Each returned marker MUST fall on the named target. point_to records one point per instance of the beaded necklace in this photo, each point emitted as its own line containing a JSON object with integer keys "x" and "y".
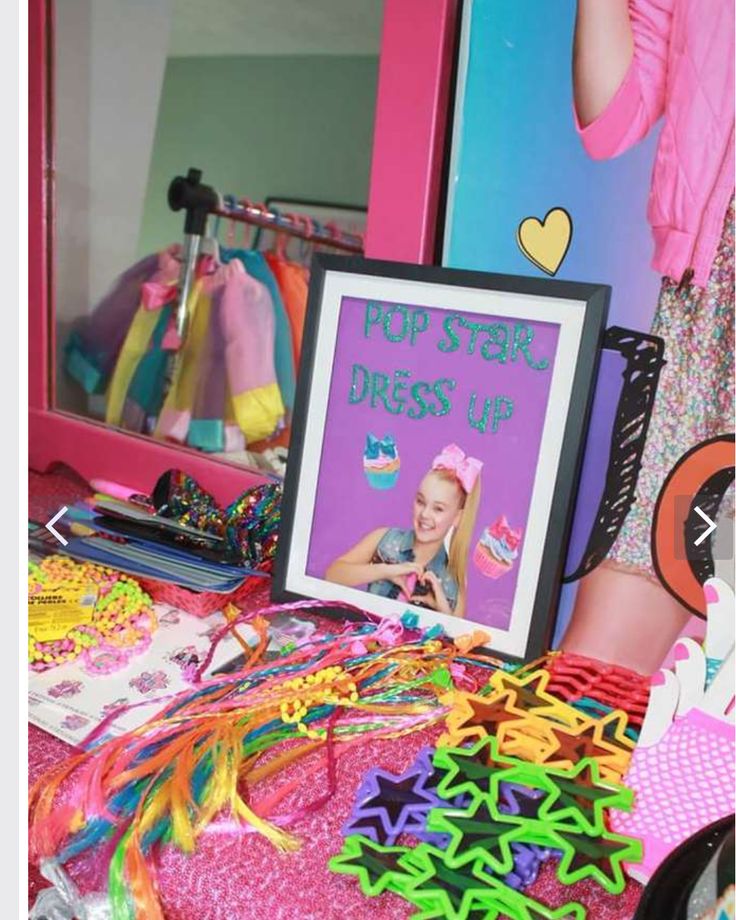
{"x": 122, "y": 621}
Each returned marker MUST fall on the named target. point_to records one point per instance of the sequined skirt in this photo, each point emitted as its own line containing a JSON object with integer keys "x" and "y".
{"x": 695, "y": 398}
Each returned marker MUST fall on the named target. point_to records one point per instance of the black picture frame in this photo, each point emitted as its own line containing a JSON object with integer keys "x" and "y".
{"x": 592, "y": 299}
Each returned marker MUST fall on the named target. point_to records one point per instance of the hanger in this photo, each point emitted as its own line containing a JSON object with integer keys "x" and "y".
{"x": 210, "y": 245}
{"x": 247, "y": 242}
{"x": 306, "y": 246}
{"x": 281, "y": 241}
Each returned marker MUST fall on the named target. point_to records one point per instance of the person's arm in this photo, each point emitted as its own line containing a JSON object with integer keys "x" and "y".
{"x": 602, "y": 53}
{"x": 619, "y": 71}
{"x": 355, "y": 568}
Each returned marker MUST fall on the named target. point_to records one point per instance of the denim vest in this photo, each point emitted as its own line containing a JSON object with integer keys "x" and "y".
{"x": 398, "y": 546}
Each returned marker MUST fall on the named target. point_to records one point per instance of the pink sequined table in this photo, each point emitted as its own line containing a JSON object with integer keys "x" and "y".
{"x": 241, "y": 875}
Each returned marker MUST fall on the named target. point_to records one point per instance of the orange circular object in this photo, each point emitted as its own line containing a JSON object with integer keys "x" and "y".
{"x": 684, "y": 481}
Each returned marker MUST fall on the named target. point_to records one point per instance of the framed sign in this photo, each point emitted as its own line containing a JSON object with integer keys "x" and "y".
{"x": 436, "y": 444}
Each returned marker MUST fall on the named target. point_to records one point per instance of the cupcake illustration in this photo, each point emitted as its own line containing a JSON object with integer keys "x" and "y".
{"x": 497, "y": 549}
{"x": 381, "y": 462}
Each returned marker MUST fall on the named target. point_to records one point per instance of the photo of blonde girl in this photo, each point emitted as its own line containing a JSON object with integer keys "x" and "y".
{"x": 426, "y": 564}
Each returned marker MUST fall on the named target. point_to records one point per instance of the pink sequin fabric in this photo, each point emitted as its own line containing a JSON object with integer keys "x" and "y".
{"x": 695, "y": 398}
{"x": 235, "y": 875}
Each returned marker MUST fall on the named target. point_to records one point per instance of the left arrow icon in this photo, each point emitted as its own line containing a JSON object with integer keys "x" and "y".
{"x": 50, "y": 525}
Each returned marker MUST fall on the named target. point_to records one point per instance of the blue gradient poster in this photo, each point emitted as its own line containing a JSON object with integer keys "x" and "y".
{"x": 516, "y": 154}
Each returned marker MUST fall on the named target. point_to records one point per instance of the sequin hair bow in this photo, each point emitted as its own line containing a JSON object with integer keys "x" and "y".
{"x": 466, "y": 469}
{"x": 249, "y": 525}
{"x": 383, "y": 448}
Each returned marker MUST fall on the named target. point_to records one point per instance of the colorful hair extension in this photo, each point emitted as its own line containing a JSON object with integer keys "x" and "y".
{"x": 201, "y": 754}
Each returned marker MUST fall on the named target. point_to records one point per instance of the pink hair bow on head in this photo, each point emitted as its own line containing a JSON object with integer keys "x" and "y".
{"x": 466, "y": 469}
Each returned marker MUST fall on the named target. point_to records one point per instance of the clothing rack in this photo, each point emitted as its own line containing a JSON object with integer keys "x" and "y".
{"x": 187, "y": 193}
{"x": 291, "y": 224}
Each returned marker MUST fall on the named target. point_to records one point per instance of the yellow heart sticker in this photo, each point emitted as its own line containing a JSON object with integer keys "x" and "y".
{"x": 545, "y": 243}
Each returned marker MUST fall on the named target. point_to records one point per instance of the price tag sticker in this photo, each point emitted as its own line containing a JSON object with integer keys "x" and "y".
{"x": 51, "y": 614}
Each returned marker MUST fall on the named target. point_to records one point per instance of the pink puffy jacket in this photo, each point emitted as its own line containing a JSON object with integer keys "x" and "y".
{"x": 682, "y": 68}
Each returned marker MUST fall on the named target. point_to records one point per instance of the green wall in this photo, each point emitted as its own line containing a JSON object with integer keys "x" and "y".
{"x": 258, "y": 126}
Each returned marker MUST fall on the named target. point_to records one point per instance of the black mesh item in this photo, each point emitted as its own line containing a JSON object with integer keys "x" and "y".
{"x": 644, "y": 356}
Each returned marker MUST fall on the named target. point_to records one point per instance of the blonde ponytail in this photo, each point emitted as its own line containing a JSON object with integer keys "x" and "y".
{"x": 462, "y": 537}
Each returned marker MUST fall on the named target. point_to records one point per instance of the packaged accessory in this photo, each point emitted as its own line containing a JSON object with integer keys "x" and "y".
{"x": 115, "y": 623}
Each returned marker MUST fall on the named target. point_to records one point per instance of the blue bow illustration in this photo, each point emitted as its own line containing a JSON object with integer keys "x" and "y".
{"x": 375, "y": 448}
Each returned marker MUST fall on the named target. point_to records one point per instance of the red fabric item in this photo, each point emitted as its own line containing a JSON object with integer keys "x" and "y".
{"x": 575, "y": 676}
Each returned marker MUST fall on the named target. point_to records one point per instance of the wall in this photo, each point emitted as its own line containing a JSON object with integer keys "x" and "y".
{"x": 109, "y": 66}
{"x": 108, "y": 69}
{"x": 297, "y": 126}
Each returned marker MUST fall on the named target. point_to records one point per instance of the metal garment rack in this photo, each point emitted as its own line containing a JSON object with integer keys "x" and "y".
{"x": 187, "y": 193}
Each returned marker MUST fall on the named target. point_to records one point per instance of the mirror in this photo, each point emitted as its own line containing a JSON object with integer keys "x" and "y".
{"x": 274, "y": 103}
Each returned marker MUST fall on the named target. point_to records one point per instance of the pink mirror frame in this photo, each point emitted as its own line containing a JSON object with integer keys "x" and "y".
{"x": 417, "y": 43}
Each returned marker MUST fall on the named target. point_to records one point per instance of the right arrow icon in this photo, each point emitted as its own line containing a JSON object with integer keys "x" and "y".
{"x": 711, "y": 526}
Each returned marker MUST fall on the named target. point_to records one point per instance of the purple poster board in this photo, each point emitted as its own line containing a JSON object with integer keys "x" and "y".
{"x": 509, "y": 453}
{"x": 436, "y": 444}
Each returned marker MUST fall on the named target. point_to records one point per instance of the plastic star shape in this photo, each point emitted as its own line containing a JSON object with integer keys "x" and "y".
{"x": 468, "y": 770}
{"x": 540, "y": 741}
{"x": 367, "y": 825}
{"x": 376, "y": 867}
{"x": 613, "y": 728}
{"x": 520, "y": 800}
{"x": 590, "y": 796}
{"x": 582, "y": 796}
{"x": 575, "y": 799}
{"x": 468, "y": 891}
{"x": 597, "y": 858}
{"x": 554, "y": 809}
{"x": 610, "y": 731}
{"x": 516, "y": 800}
{"x": 392, "y": 800}
{"x": 532, "y": 696}
{"x": 590, "y": 742}
{"x": 475, "y": 832}
{"x": 522, "y": 909}
{"x": 473, "y": 717}
{"x": 417, "y": 821}
{"x": 423, "y": 765}
{"x": 531, "y": 740}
